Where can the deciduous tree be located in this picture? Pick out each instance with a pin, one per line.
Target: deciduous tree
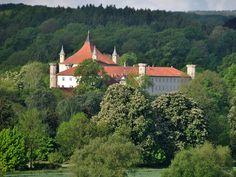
(32, 127)
(185, 121)
(75, 134)
(12, 150)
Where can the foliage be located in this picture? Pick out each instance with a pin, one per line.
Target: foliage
(128, 59)
(232, 123)
(230, 76)
(41, 99)
(44, 101)
(124, 106)
(33, 74)
(210, 91)
(7, 115)
(92, 75)
(12, 150)
(45, 148)
(111, 156)
(1, 170)
(228, 60)
(185, 121)
(162, 38)
(55, 157)
(88, 102)
(33, 130)
(202, 161)
(75, 134)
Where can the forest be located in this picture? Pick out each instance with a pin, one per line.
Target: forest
(39, 124)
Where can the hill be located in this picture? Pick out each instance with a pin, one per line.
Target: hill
(29, 33)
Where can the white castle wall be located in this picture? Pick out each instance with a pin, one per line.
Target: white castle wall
(66, 81)
(161, 85)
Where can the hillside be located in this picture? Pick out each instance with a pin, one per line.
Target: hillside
(29, 33)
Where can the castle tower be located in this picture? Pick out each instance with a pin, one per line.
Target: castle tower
(115, 56)
(53, 75)
(94, 55)
(191, 71)
(62, 67)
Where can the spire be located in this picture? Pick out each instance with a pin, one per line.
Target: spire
(62, 55)
(94, 56)
(115, 56)
(114, 52)
(88, 37)
(62, 51)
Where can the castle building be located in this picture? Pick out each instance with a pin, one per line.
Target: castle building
(163, 79)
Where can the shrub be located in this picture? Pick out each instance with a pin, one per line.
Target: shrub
(55, 158)
(111, 157)
(202, 161)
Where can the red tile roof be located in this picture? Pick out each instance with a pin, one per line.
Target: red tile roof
(86, 53)
(165, 72)
(68, 72)
(119, 71)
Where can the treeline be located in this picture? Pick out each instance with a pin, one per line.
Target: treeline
(157, 37)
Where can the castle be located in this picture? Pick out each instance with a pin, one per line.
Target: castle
(163, 79)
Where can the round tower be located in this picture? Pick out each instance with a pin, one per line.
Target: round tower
(53, 75)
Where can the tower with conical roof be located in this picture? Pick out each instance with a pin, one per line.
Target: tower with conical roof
(62, 55)
(115, 56)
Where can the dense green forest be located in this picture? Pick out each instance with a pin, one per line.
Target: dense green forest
(42, 124)
(157, 37)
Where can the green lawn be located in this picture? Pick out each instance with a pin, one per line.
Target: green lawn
(66, 173)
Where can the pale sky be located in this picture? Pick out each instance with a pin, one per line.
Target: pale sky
(172, 5)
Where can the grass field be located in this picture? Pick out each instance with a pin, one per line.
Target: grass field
(66, 173)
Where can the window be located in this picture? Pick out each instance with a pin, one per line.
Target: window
(70, 78)
(63, 78)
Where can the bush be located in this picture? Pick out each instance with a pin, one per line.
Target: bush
(110, 157)
(55, 158)
(202, 161)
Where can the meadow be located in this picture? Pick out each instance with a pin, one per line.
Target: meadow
(66, 173)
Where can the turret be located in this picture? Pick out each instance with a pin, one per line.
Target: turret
(62, 55)
(53, 75)
(62, 67)
(191, 71)
(88, 37)
(115, 56)
(94, 55)
(142, 68)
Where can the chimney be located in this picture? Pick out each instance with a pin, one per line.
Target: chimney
(142, 68)
(191, 71)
